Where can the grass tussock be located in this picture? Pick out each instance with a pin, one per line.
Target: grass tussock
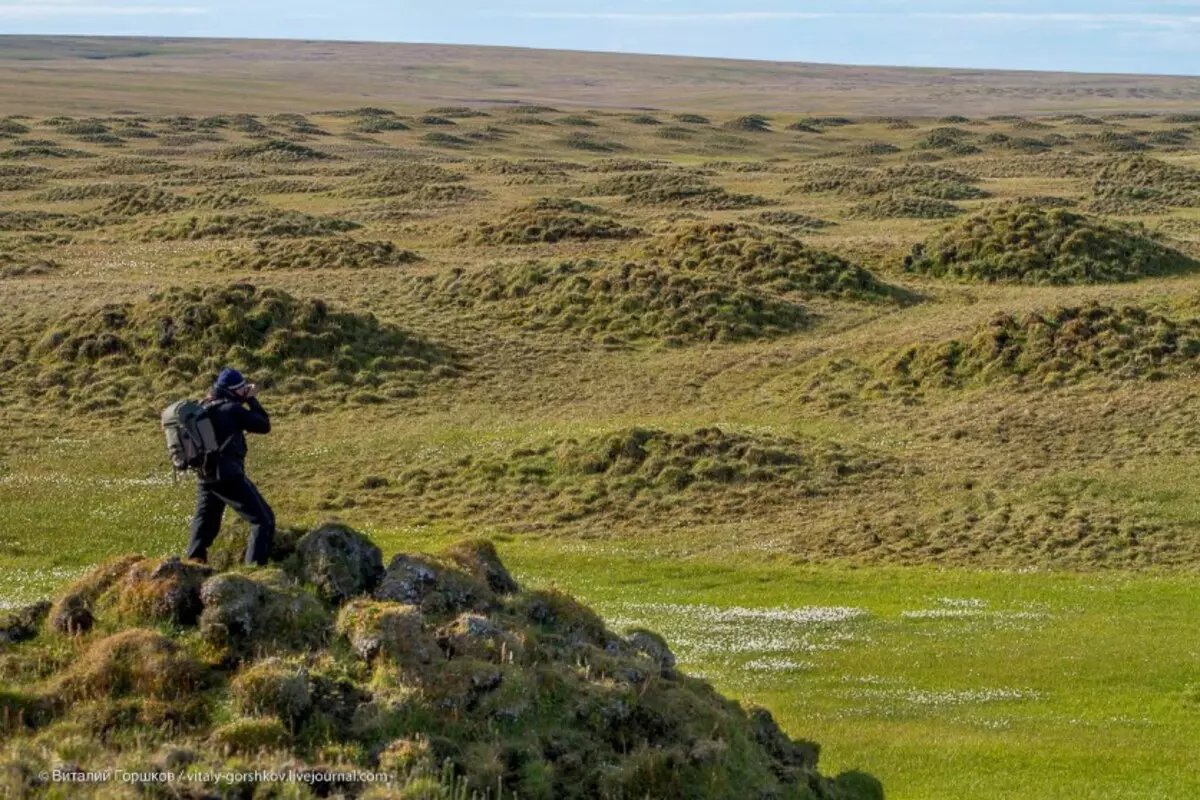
(672, 189)
(617, 303)
(754, 257)
(639, 473)
(1143, 185)
(316, 254)
(178, 338)
(550, 220)
(1030, 244)
(271, 223)
(900, 206)
(275, 151)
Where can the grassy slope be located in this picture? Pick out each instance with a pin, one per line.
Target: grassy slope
(1100, 661)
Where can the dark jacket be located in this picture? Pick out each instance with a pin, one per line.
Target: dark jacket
(232, 419)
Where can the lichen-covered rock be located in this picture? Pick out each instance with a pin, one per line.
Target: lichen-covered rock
(72, 612)
(790, 756)
(273, 688)
(479, 557)
(135, 662)
(388, 630)
(562, 619)
(340, 563)
(476, 636)
(435, 587)
(262, 612)
(22, 624)
(166, 590)
(654, 646)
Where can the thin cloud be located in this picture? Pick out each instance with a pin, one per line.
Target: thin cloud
(699, 16)
(74, 9)
(1024, 18)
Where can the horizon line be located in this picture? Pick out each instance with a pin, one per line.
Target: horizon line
(637, 54)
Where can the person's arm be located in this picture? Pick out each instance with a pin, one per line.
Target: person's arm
(253, 418)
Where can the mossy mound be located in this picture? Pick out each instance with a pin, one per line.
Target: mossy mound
(402, 179)
(143, 200)
(633, 474)
(275, 151)
(549, 220)
(1142, 185)
(793, 220)
(45, 221)
(1030, 244)
(578, 140)
(1064, 346)
(21, 264)
(615, 303)
(175, 340)
(917, 180)
(751, 123)
(271, 223)
(283, 186)
(468, 688)
(307, 254)
(756, 257)
(677, 189)
(900, 206)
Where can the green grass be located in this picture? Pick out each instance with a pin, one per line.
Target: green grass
(1031, 443)
(1020, 684)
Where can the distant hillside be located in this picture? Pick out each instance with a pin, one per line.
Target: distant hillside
(74, 74)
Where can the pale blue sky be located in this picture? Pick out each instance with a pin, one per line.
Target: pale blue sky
(1086, 35)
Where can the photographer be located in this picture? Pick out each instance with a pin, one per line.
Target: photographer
(234, 409)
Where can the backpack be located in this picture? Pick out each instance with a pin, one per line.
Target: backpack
(191, 438)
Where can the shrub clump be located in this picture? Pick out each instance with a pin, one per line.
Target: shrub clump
(756, 257)
(312, 254)
(550, 220)
(617, 304)
(1030, 244)
(178, 337)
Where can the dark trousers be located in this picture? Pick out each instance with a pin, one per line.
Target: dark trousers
(243, 497)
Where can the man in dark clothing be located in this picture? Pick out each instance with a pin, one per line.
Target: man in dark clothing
(235, 411)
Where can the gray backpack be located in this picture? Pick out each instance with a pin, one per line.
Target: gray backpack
(191, 438)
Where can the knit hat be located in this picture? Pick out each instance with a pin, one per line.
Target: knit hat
(230, 379)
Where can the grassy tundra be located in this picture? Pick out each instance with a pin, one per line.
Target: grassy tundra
(885, 423)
